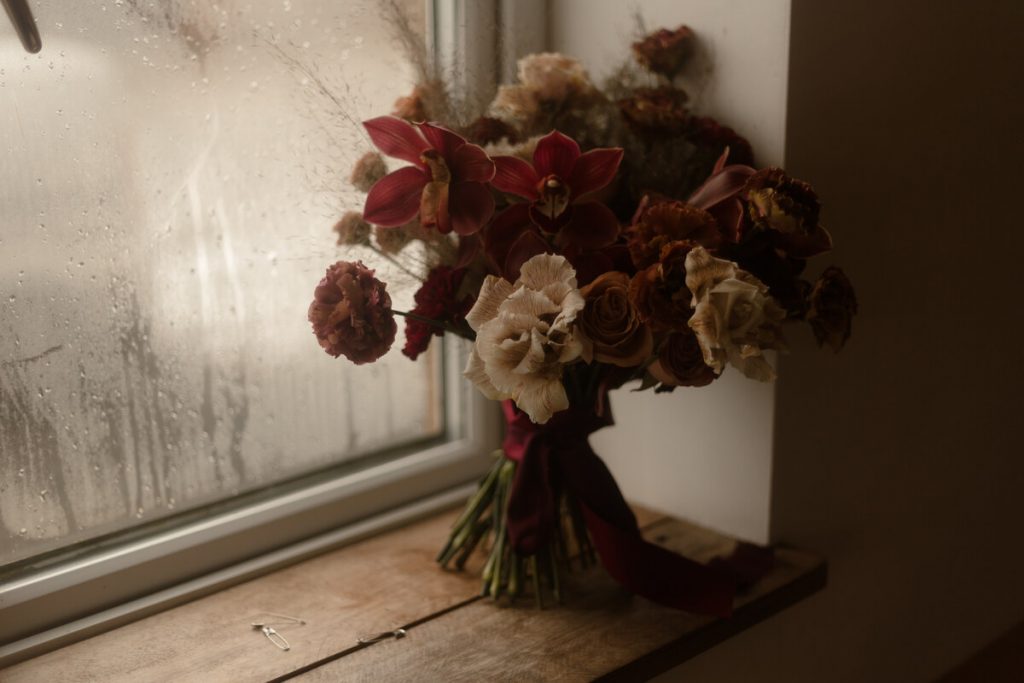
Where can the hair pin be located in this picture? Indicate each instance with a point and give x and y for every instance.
(397, 634)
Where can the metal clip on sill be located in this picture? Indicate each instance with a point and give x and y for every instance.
(396, 634)
(20, 15)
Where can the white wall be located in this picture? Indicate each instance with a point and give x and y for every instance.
(689, 461)
(901, 458)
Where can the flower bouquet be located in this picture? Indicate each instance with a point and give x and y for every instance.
(581, 239)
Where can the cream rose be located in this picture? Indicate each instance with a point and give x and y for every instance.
(734, 318)
(525, 335)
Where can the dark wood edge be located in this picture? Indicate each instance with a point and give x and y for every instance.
(714, 632)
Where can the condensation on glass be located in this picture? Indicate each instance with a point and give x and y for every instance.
(171, 171)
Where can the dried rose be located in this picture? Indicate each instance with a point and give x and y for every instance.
(352, 230)
(659, 291)
(438, 300)
(665, 52)
(611, 324)
(659, 222)
(734, 318)
(446, 186)
(656, 110)
(526, 335)
(368, 170)
(832, 305)
(680, 362)
(351, 313)
(789, 208)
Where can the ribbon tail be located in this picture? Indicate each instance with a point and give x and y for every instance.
(641, 567)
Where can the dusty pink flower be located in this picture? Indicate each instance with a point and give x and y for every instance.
(446, 184)
(351, 313)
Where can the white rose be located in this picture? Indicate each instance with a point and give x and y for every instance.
(734, 318)
(525, 335)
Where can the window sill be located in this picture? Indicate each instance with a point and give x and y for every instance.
(391, 581)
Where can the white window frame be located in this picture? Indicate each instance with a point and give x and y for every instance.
(110, 585)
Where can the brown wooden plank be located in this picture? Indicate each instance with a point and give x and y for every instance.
(599, 633)
(375, 585)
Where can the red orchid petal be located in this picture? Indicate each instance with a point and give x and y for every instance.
(556, 154)
(529, 244)
(594, 170)
(591, 226)
(470, 206)
(397, 138)
(515, 176)
(721, 186)
(589, 265)
(503, 231)
(469, 248)
(471, 163)
(442, 139)
(395, 199)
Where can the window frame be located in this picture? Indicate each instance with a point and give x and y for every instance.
(110, 585)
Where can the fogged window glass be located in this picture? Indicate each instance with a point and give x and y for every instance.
(171, 172)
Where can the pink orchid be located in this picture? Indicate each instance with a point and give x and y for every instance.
(559, 186)
(446, 185)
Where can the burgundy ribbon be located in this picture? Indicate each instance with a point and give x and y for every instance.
(556, 455)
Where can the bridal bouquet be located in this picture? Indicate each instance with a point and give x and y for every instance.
(580, 238)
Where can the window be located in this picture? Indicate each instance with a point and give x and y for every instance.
(172, 169)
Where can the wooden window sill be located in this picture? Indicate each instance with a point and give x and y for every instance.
(391, 581)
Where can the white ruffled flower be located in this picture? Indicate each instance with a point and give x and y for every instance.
(525, 335)
(734, 318)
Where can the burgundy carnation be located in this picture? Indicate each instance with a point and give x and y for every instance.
(660, 222)
(704, 131)
(788, 209)
(659, 292)
(351, 313)
(833, 303)
(437, 299)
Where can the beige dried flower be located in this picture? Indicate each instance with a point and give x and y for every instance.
(525, 336)
(554, 77)
(734, 318)
(391, 240)
(368, 170)
(352, 230)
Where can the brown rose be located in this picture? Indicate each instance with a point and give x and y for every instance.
(789, 208)
(680, 362)
(665, 52)
(351, 313)
(659, 291)
(660, 222)
(612, 324)
(832, 305)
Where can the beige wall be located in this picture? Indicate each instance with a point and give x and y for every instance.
(901, 458)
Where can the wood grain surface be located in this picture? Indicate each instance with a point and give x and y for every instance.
(391, 581)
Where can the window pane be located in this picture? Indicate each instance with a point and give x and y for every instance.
(170, 176)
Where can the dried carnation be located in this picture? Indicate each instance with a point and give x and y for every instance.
(789, 208)
(660, 111)
(352, 230)
(351, 313)
(659, 292)
(526, 335)
(666, 52)
(368, 170)
(704, 131)
(438, 300)
(660, 222)
(734, 318)
(832, 305)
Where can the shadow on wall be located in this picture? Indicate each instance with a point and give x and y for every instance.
(901, 459)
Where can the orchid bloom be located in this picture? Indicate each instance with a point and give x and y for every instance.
(558, 186)
(446, 185)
